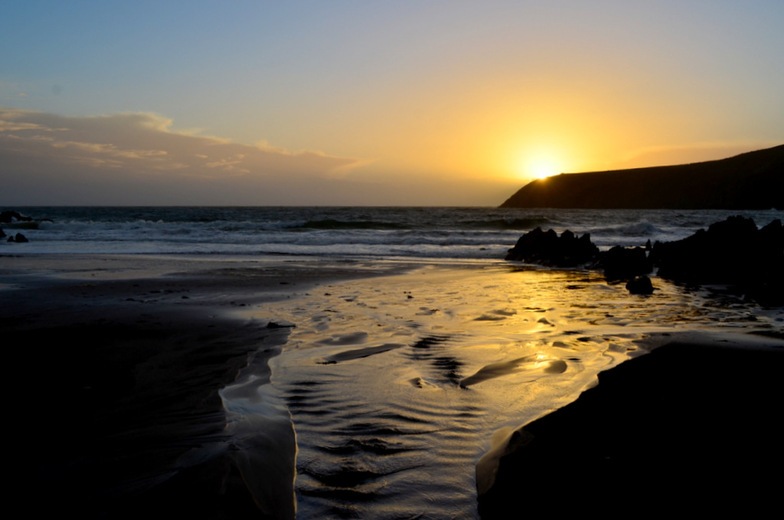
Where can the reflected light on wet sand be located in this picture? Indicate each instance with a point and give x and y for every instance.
(402, 390)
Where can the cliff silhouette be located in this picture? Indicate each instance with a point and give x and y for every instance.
(753, 180)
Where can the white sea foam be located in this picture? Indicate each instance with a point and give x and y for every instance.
(443, 233)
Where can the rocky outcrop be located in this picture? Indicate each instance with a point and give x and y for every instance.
(18, 238)
(568, 250)
(623, 263)
(731, 252)
(547, 248)
(13, 216)
(640, 285)
(19, 221)
(646, 433)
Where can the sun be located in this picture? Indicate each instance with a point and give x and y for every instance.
(543, 169)
(540, 167)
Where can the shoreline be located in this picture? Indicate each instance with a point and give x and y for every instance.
(126, 385)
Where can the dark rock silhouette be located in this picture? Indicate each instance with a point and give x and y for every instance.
(640, 285)
(753, 180)
(733, 252)
(11, 216)
(18, 220)
(624, 263)
(730, 251)
(682, 428)
(547, 248)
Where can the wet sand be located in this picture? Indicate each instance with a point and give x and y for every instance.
(114, 369)
(483, 349)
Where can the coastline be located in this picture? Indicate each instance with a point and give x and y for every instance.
(118, 362)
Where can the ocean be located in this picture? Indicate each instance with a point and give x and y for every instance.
(402, 389)
(481, 234)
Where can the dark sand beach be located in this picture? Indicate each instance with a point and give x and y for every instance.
(113, 369)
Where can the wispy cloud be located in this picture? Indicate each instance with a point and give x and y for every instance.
(136, 158)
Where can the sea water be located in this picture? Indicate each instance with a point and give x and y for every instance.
(356, 232)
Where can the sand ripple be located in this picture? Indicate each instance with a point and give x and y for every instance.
(398, 387)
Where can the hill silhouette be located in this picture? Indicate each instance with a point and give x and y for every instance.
(753, 180)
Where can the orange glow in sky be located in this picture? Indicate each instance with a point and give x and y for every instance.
(378, 103)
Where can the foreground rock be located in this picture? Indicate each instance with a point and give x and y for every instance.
(680, 429)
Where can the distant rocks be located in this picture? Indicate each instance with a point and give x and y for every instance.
(16, 219)
(568, 250)
(731, 252)
(18, 238)
(623, 263)
(547, 248)
(13, 216)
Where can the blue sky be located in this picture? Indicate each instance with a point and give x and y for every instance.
(403, 102)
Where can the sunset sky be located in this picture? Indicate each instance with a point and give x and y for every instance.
(399, 102)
